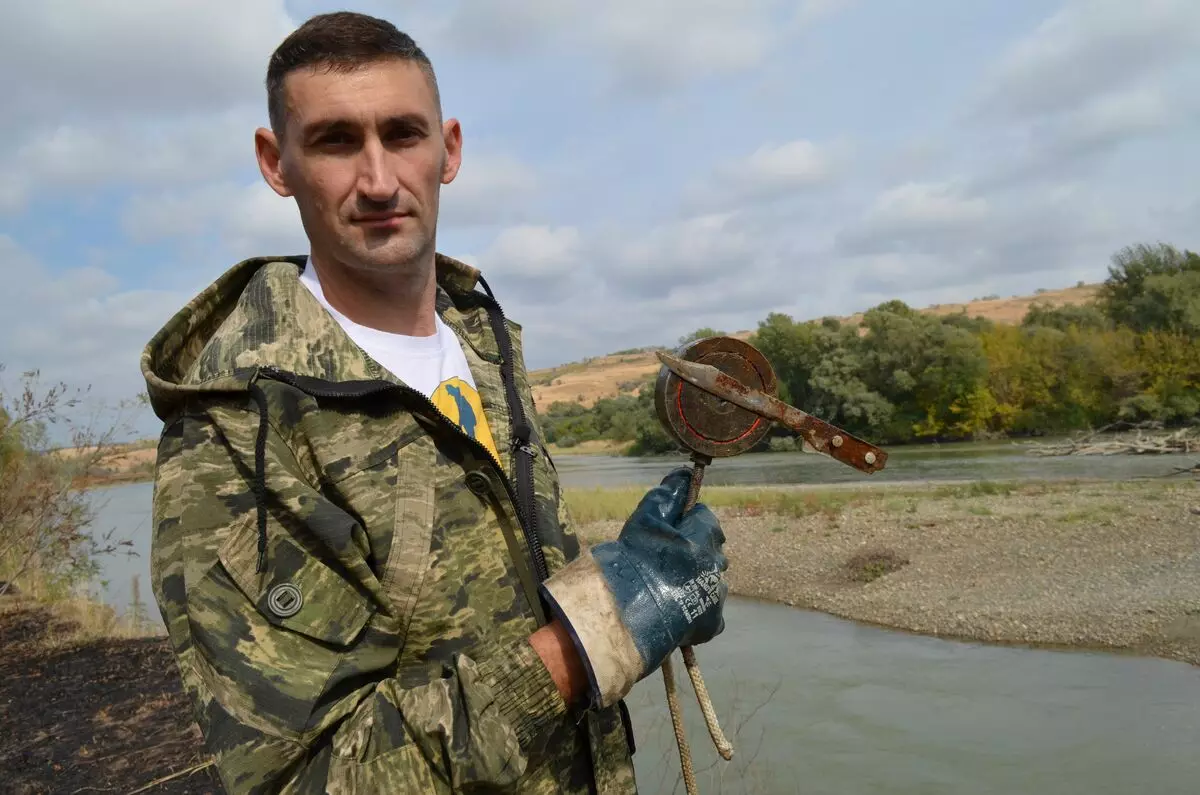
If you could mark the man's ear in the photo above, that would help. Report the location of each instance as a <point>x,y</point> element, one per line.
<point>266,150</point>
<point>452,140</point>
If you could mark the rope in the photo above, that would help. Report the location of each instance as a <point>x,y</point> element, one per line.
<point>685,753</point>
<point>724,747</point>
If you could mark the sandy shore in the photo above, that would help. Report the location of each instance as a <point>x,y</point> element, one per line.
<point>1106,565</point>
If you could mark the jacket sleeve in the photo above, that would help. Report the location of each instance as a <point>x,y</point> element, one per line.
<point>291,671</point>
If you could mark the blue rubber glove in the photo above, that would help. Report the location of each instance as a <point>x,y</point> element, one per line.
<point>629,603</point>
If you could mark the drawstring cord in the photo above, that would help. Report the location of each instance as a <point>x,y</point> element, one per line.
<point>260,474</point>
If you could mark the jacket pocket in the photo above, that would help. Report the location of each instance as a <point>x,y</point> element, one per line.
<point>297,591</point>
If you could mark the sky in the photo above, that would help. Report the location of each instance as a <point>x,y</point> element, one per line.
<point>633,170</point>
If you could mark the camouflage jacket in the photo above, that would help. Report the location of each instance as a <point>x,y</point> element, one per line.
<point>349,580</point>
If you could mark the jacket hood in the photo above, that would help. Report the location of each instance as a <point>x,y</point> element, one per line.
<point>259,314</point>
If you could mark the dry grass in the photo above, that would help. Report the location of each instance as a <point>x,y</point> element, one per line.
<point>587,383</point>
<point>605,505</point>
<point>615,504</point>
<point>1008,310</point>
<point>126,463</point>
<point>590,447</point>
<point>77,619</point>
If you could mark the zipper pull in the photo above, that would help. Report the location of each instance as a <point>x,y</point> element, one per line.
<point>525,447</point>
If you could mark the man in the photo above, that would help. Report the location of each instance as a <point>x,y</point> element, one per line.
<point>361,553</point>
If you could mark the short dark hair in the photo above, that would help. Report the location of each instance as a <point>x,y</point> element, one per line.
<point>342,40</point>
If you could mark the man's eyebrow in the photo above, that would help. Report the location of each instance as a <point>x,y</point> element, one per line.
<point>324,125</point>
<point>409,120</point>
<point>412,120</point>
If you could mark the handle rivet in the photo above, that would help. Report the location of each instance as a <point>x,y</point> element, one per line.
<point>869,458</point>
<point>837,441</point>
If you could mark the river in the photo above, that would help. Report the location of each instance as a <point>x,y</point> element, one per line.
<point>910,463</point>
<point>816,704</point>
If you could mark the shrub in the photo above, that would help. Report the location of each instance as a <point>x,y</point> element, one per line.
<point>45,516</point>
<point>871,564</point>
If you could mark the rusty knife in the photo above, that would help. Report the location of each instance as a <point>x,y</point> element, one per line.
<point>820,435</point>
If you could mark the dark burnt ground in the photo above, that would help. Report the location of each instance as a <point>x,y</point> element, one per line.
<point>106,716</point>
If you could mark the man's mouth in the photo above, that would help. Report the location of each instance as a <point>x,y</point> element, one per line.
<point>380,220</point>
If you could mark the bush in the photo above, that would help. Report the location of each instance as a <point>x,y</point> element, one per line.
<point>45,516</point>
<point>871,564</point>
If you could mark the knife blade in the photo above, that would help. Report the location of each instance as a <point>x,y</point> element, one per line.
<point>820,435</point>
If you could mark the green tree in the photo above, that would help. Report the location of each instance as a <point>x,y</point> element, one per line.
<point>1083,316</point>
<point>700,334</point>
<point>820,370</point>
<point>1153,288</point>
<point>1167,368</point>
<point>932,371</point>
<point>650,437</point>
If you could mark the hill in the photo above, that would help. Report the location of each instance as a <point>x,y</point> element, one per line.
<point>624,372</point>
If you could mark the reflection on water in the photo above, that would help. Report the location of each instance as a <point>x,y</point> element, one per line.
<point>125,511</point>
<point>818,705</point>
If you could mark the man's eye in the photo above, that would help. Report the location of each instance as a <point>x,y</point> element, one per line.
<point>404,135</point>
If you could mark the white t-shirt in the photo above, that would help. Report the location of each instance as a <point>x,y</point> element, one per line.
<point>433,365</point>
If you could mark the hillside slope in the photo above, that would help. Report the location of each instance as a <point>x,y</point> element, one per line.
<point>624,372</point>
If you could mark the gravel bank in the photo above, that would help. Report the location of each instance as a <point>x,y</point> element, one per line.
<point>1097,565</point>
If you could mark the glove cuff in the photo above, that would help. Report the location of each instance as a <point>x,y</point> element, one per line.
<point>579,596</point>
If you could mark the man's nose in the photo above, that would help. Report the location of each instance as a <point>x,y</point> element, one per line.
<point>376,181</point>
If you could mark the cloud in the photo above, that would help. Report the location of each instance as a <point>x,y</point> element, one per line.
<point>245,220</point>
<point>1087,49</point>
<point>1073,144</point>
<point>613,286</point>
<point>645,47</point>
<point>770,172</point>
<point>533,252</point>
<point>78,326</point>
<point>660,259</point>
<point>71,61</point>
<point>489,189</point>
<point>915,215</point>
<point>78,158</point>
<point>920,236</point>
<point>130,93</point>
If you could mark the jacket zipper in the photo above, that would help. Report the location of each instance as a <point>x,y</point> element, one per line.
<point>378,387</point>
<point>522,432</point>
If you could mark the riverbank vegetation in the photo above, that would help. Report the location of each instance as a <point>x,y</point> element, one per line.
<point>611,504</point>
<point>49,546</point>
<point>1131,356</point>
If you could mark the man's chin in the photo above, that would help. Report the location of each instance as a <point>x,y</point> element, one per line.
<point>392,255</point>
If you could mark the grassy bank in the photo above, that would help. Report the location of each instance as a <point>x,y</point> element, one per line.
<point>77,618</point>
<point>592,447</point>
<point>606,504</point>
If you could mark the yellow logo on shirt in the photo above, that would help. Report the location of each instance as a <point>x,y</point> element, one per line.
<point>456,399</point>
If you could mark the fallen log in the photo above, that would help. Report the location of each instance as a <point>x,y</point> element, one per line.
<point>1182,441</point>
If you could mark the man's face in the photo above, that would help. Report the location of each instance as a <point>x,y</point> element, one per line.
<point>365,155</point>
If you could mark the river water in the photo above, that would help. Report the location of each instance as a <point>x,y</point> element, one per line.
<point>816,704</point>
<point>911,463</point>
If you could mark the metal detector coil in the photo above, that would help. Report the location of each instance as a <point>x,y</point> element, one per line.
<point>702,422</point>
